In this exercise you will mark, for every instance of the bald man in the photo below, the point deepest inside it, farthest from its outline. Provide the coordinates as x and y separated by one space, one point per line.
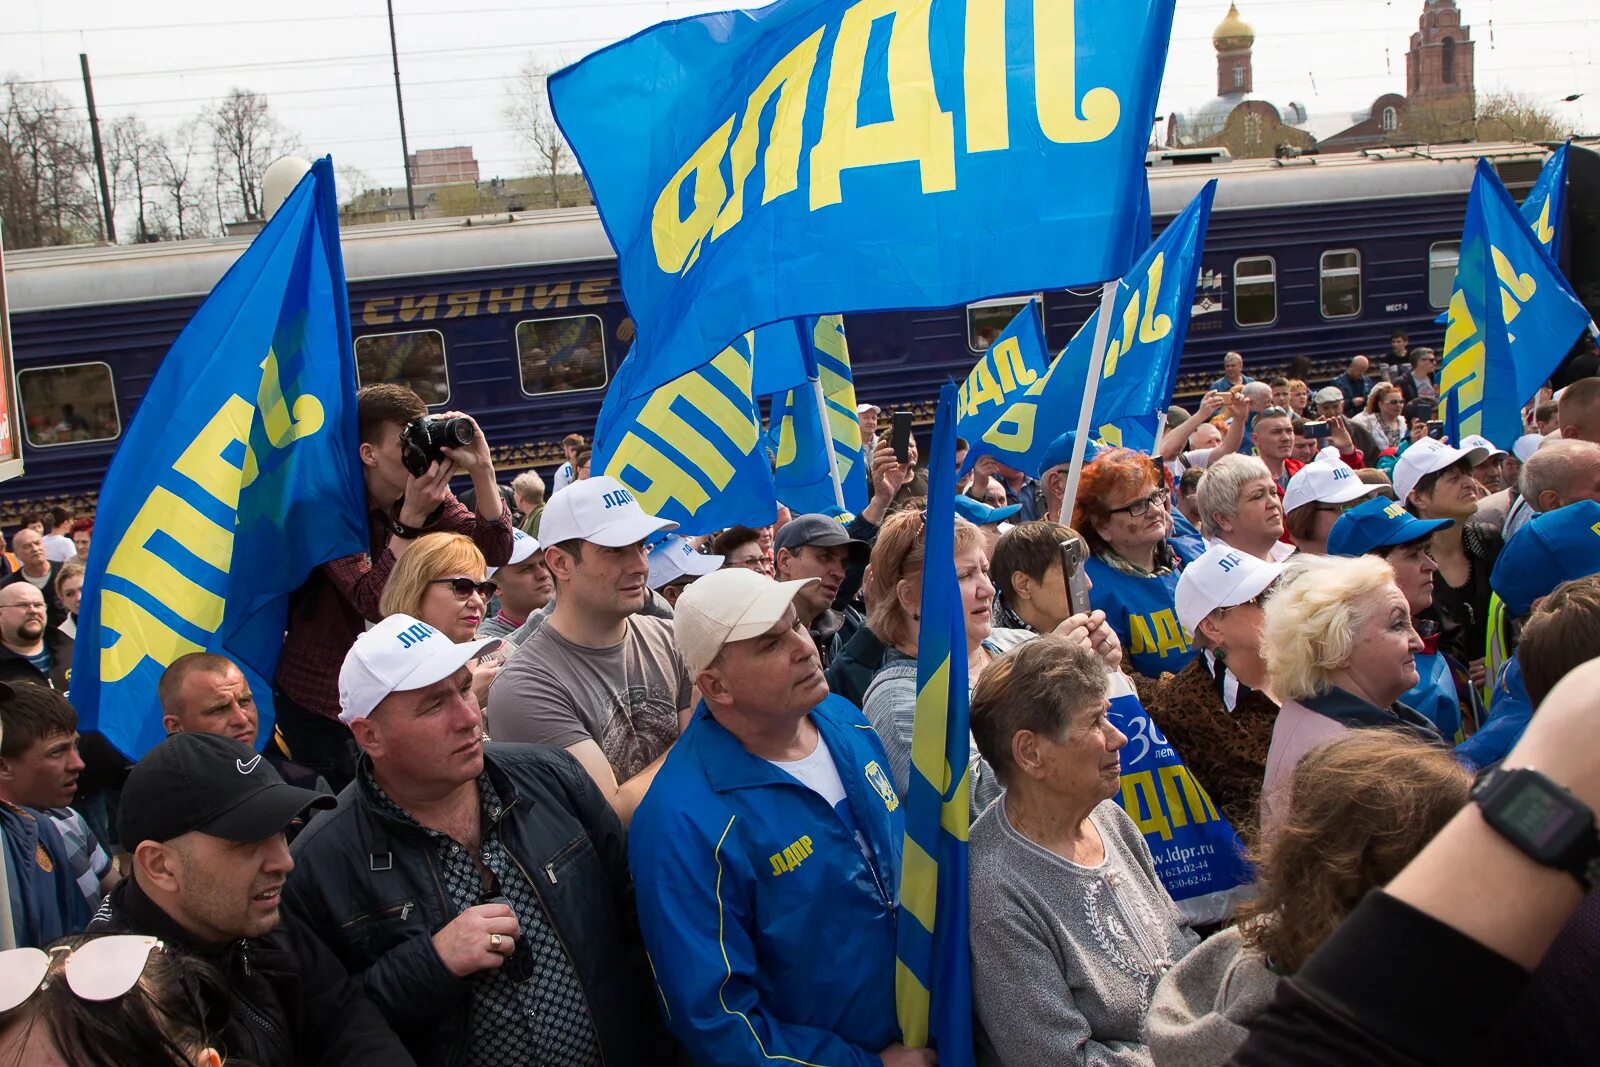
36 570
31 650
1578 410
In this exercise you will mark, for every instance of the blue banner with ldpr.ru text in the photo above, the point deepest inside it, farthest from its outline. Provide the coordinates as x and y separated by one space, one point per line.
237 476
822 156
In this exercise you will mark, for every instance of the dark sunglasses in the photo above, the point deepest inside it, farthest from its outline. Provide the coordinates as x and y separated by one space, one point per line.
1275 412
463 588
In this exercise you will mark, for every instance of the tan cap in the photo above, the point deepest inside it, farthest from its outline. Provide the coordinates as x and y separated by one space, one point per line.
733 604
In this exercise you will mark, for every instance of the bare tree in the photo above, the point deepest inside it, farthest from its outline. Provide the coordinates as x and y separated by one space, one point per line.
178 174
527 110
1507 116
47 193
131 166
247 138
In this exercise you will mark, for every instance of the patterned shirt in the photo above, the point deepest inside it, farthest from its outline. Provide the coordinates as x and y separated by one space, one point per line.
532 1011
85 857
332 608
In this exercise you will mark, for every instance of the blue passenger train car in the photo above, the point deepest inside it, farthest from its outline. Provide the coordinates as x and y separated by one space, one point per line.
520 321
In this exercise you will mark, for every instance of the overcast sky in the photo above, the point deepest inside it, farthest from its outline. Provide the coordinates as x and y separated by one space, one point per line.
325 67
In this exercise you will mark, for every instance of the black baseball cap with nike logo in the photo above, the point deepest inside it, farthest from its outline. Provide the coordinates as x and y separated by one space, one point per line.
210 783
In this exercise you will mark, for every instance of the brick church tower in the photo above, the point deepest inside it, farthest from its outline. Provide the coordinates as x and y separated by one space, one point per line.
1439 63
1233 39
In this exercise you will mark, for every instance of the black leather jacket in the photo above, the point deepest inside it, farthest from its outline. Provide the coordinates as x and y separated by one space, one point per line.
368 884
292 1006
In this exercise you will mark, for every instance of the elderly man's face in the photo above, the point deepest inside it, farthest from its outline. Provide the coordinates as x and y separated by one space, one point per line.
1233 365
776 674
1358 367
1330 409
29 548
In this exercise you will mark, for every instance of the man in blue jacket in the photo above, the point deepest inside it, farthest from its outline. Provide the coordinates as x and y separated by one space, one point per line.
766 854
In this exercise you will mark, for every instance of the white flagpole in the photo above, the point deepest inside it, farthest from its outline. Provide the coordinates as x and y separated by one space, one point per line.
827 442
1097 359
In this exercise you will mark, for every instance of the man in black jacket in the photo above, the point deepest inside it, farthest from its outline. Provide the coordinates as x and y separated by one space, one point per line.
481 892
204 818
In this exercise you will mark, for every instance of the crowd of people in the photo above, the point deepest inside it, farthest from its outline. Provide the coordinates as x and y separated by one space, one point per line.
552 783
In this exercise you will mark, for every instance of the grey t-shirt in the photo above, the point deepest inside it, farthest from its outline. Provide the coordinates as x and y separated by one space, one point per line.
625 697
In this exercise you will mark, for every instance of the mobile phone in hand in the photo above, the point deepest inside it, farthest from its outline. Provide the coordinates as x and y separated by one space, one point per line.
900 436
1073 554
1436 428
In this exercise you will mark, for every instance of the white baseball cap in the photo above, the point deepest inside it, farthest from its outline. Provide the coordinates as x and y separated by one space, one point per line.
1474 440
862 409
1429 456
676 557
522 547
1223 577
395 656
733 604
600 510
1325 480
1526 445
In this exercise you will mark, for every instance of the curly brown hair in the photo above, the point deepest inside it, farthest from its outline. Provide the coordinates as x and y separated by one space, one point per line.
1360 809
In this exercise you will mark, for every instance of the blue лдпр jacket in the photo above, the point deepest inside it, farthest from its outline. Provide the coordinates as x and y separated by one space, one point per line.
771 935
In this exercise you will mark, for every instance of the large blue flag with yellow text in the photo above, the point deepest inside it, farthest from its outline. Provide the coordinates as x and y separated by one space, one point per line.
1512 318
933 976
822 156
803 481
1015 360
1150 318
691 450
237 476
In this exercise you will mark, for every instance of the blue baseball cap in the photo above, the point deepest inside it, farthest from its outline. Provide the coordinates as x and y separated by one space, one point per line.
1059 454
980 514
1378 523
1551 548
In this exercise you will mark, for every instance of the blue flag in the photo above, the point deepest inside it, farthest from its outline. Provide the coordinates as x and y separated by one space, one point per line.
1512 318
1017 359
1546 203
1150 317
822 156
803 482
237 476
691 451
933 979
1198 855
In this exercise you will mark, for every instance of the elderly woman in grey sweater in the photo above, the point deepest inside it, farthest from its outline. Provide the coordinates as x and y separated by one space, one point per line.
1071 929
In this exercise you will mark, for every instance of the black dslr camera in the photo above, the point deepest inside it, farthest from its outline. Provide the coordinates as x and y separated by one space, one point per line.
422 440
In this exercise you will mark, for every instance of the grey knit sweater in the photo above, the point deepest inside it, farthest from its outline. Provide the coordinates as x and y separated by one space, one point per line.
1203 1007
1065 958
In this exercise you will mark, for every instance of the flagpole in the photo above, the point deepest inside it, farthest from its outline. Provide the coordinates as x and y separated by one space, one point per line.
1097 359
827 443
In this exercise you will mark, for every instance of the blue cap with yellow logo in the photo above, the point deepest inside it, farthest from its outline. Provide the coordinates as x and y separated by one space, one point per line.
1378 523
1552 548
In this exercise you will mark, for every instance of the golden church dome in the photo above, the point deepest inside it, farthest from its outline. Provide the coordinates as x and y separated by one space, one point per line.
1233 33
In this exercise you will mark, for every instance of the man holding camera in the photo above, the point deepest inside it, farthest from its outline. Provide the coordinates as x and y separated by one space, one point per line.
340 597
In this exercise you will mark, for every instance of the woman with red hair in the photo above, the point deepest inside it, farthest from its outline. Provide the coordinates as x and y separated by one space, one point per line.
1121 513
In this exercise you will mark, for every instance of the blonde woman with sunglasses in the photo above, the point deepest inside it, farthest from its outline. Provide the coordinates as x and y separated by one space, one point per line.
442 580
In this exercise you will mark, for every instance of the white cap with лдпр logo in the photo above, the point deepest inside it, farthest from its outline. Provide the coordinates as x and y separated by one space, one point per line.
397 655
600 510
1223 577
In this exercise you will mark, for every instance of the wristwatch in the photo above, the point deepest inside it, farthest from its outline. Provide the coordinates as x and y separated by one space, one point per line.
411 533
1544 820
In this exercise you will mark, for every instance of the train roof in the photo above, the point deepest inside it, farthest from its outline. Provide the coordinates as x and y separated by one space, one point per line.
92 275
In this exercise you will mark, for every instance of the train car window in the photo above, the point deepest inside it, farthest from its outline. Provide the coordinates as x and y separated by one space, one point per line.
562 355
1442 259
987 319
69 405
1341 283
414 359
1255 291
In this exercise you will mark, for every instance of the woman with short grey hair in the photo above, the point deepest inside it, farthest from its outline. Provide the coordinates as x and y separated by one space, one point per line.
1240 506
1071 928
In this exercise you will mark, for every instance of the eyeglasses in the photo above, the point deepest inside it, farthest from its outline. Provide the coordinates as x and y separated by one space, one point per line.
463 588
40 608
98 970
1142 505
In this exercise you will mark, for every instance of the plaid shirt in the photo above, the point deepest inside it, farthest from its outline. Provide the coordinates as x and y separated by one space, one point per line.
331 610
532 1011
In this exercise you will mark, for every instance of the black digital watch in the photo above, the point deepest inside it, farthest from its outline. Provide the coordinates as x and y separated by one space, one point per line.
1546 822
